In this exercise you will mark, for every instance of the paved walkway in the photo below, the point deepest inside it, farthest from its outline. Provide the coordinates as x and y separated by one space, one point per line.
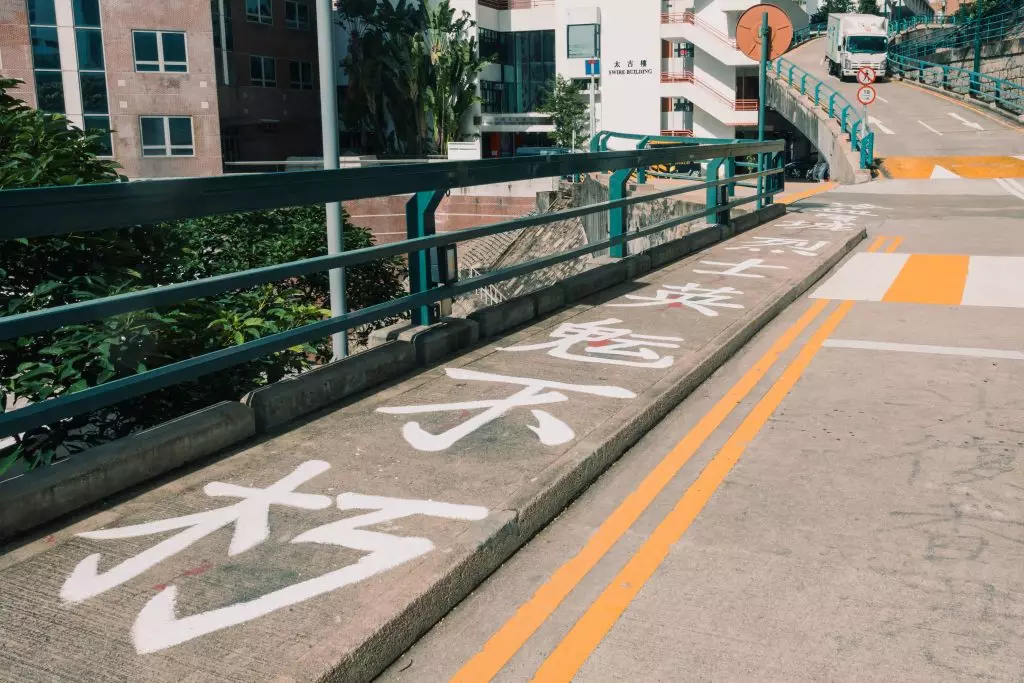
310 553
843 500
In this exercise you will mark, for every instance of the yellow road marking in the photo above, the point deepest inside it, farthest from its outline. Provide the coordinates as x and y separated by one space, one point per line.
592 627
797 196
930 279
896 242
918 168
511 637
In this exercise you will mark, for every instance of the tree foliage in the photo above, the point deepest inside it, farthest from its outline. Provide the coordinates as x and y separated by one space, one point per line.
412 70
831 7
867 7
40 149
568 112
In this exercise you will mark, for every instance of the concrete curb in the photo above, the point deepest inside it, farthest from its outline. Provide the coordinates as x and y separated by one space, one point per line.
532 507
45 494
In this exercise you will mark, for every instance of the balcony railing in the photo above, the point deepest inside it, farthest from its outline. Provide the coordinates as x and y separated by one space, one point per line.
682 133
515 4
675 70
688 17
671 72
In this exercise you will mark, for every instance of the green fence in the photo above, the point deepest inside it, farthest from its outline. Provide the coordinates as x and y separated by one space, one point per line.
1007 96
37 213
830 100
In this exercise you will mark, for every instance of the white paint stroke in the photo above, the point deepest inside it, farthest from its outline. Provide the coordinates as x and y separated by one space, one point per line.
881 99
737 269
877 123
923 348
605 344
969 124
865 277
996 281
1011 186
941 172
929 127
157 627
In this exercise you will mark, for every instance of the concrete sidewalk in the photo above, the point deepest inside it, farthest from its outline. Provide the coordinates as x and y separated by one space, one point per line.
263 565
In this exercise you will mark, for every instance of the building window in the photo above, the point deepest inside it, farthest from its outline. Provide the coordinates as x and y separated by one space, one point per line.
229 34
46 56
262 71
160 51
41 12
87 13
296 15
90 49
584 41
258 11
300 75
167 136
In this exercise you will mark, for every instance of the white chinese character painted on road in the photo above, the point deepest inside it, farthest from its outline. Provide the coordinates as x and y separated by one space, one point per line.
157 626
535 392
780 245
605 344
692 295
827 223
737 269
851 209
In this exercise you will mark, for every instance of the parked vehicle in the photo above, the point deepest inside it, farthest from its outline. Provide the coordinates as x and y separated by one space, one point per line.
854 41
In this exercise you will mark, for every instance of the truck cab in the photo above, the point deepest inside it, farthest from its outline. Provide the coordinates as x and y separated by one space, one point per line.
854 41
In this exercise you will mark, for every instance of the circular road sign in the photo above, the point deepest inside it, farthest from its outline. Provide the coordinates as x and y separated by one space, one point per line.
866 75
866 95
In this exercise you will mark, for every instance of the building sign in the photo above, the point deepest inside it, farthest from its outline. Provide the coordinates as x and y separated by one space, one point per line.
630 67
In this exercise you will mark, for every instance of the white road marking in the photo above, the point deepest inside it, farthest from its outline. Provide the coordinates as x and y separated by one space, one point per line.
941 172
923 348
994 281
881 99
969 124
865 277
1011 186
878 124
928 127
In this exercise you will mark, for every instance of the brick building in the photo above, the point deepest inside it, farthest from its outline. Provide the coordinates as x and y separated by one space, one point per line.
179 94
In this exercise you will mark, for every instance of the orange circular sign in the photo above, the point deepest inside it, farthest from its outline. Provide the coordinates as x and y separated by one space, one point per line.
748 32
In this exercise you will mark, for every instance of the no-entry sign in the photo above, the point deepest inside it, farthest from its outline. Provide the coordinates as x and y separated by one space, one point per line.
866 75
866 95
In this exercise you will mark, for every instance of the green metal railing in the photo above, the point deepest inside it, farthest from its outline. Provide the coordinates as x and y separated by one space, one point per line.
830 100
808 32
35 213
903 25
996 91
969 32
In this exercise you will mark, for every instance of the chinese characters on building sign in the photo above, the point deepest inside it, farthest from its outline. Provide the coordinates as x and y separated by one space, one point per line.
630 67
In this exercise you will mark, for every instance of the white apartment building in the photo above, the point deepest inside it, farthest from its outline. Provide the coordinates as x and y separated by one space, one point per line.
667 67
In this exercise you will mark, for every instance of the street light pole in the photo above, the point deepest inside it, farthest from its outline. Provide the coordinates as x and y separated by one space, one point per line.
329 128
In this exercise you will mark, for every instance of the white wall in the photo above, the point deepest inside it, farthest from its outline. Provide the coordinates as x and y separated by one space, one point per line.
707 126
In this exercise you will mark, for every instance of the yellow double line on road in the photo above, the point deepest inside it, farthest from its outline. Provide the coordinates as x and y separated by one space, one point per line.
577 645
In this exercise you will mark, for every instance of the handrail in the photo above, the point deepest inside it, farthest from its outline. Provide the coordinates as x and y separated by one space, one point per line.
808 32
62 210
968 31
686 76
831 101
999 92
689 17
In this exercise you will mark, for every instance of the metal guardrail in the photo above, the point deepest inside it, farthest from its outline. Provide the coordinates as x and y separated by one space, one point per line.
1001 93
32 213
969 32
903 25
830 100
808 32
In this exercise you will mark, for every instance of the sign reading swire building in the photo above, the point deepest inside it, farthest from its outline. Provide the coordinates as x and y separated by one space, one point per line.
631 67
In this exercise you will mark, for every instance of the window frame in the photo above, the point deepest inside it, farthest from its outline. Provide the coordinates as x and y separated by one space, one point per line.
167 147
597 41
297 24
267 20
297 85
160 62
262 82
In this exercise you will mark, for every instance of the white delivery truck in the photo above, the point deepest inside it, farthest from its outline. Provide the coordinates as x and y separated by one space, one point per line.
854 41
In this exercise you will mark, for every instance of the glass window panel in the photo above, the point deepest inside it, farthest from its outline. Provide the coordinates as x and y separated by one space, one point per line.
154 152
293 71
87 13
153 131
104 141
41 12
582 41
269 70
50 91
147 67
45 52
181 130
265 15
303 11
179 152
255 68
176 68
90 48
145 47
174 47
291 12
94 92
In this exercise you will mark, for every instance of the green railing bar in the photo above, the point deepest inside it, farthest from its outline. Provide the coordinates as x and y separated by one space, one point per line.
34 322
51 211
52 410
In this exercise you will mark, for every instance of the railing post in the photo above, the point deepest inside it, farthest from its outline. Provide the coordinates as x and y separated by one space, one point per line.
803 84
793 66
730 170
817 91
853 134
641 172
617 216
419 222
867 150
832 105
780 177
717 195
843 119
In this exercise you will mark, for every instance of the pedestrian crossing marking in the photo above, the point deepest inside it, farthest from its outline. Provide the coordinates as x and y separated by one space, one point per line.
930 279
